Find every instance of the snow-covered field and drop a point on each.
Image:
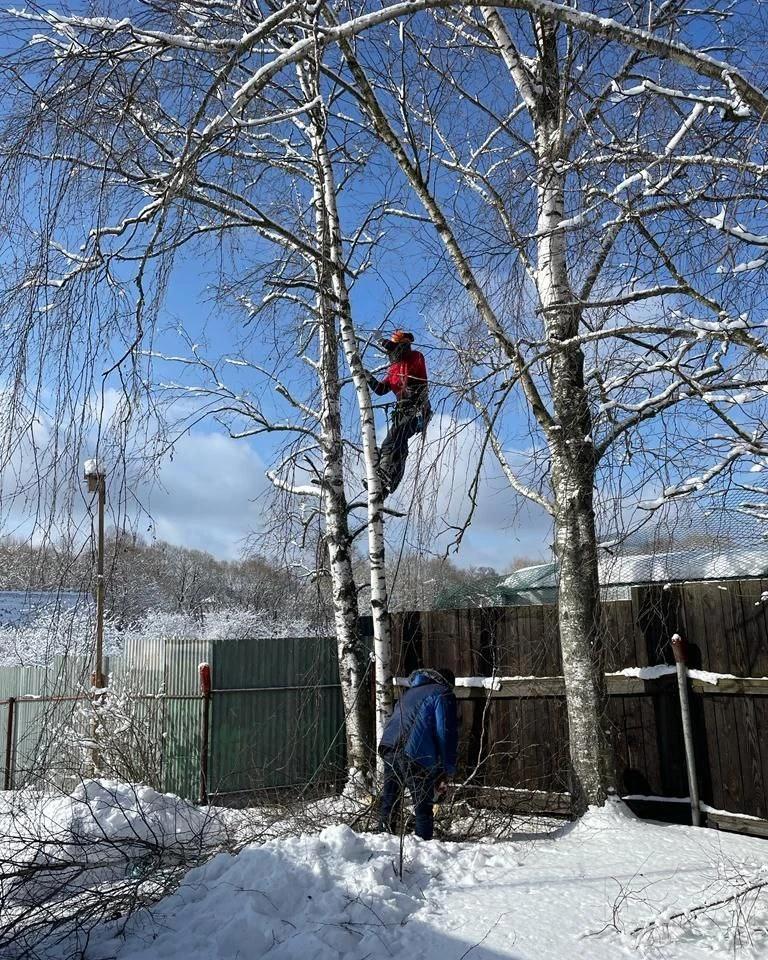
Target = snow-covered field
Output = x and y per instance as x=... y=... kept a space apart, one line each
x=608 y=887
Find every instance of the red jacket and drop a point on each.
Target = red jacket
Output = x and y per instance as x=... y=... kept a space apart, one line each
x=410 y=372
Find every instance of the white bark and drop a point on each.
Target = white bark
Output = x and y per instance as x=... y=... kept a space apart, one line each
x=334 y=264
x=351 y=656
x=572 y=454
x=567 y=426
x=573 y=477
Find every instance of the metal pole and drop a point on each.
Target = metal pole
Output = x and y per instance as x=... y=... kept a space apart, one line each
x=99 y=671
x=9 y=738
x=679 y=650
x=97 y=483
x=205 y=718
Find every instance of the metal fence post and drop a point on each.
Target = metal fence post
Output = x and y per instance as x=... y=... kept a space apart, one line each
x=205 y=717
x=678 y=648
x=9 y=737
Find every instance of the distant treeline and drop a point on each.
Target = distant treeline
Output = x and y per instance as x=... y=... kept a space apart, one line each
x=143 y=576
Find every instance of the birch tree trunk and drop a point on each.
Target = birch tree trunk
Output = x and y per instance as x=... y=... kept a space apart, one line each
x=572 y=455
x=351 y=653
x=382 y=639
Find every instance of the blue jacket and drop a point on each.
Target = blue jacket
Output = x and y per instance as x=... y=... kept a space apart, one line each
x=423 y=723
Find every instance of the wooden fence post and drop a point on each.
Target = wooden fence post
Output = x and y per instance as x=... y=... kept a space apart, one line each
x=9 y=737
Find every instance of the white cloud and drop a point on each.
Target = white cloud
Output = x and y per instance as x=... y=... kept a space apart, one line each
x=207 y=494
x=504 y=526
x=203 y=496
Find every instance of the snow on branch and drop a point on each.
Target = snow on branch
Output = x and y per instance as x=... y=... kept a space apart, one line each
x=733 y=108
x=605 y=27
x=737 y=231
x=693 y=484
x=295 y=489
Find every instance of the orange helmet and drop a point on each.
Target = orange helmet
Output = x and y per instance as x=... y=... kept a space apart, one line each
x=401 y=336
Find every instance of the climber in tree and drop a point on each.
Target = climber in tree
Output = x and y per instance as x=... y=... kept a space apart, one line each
x=407 y=379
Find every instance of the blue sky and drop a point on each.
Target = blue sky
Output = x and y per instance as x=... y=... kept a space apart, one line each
x=212 y=494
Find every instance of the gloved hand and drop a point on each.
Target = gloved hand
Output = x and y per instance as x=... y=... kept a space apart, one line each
x=370 y=379
x=441 y=788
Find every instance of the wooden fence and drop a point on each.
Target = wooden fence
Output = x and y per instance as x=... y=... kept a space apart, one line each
x=277 y=717
x=516 y=737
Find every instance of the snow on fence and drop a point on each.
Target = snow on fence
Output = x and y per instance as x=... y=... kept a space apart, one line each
x=514 y=730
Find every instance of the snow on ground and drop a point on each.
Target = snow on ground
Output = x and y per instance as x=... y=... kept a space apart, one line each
x=606 y=888
x=58 y=852
x=99 y=809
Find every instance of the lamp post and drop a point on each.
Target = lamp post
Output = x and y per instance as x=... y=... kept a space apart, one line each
x=96 y=477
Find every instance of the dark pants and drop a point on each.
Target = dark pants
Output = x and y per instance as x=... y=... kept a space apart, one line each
x=401 y=773
x=406 y=423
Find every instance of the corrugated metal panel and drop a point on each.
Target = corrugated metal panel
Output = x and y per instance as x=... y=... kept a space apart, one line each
x=140 y=665
x=162 y=747
x=181 y=769
x=167 y=669
x=289 y=731
x=281 y=722
x=41 y=750
x=182 y=658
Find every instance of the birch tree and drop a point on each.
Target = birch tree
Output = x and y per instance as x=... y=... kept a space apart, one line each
x=229 y=192
x=332 y=280
x=594 y=185
x=567 y=162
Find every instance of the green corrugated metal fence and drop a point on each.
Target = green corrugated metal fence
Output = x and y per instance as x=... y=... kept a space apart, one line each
x=40 y=714
x=276 y=720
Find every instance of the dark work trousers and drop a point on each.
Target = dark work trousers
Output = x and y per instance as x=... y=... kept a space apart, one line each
x=406 y=423
x=401 y=773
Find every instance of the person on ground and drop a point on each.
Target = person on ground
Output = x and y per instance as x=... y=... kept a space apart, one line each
x=418 y=748
x=407 y=379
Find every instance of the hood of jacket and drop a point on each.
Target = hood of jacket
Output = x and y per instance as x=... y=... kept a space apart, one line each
x=419 y=677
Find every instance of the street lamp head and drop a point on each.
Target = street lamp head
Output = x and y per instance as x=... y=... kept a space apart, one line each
x=94 y=473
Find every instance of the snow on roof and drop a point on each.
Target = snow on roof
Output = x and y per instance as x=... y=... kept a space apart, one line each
x=659 y=567
x=528 y=578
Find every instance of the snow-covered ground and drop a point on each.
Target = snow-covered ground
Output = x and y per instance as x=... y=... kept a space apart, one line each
x=608 y=887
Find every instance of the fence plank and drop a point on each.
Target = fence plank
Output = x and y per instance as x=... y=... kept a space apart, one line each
x=760 y=713
x=728 y=754
x=753 y=793
x=693 y=630
x=714 y=628
x=751 y=654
